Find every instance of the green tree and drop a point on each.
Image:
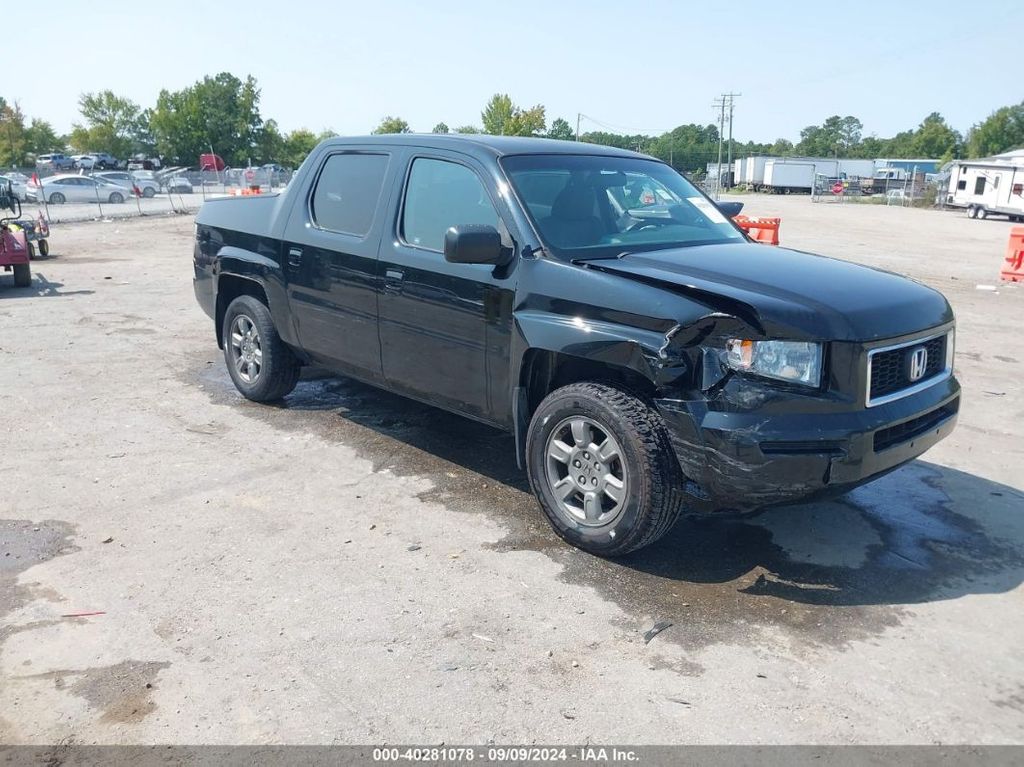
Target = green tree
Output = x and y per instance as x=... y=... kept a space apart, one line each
x=781 y=147
x=297 y=145
x=999 y=132
x=392 y=125
x=467 y=130
x=560 y=129
x=836 y=136
x=501 y=117
x=40 y=138
x=935 y=138
x=221 y=112
x=440 y=128
x=12 y=134
x=270 y=143
x=112 y=124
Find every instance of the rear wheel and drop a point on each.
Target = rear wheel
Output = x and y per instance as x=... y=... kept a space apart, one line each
x=601 y=465
x=22 y=275
x=981 y=213
x=116 y=198
x=57 y=199
x=149 y=192
x=261 y=365
x=44 y=248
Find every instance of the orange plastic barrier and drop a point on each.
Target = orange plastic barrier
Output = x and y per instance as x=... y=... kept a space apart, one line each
x=761 y=229
x=1013 y=268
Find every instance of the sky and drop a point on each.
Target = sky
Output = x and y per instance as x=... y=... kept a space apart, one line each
x=632 y=68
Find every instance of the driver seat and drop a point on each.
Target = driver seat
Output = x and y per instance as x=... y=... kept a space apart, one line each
x=572 y=223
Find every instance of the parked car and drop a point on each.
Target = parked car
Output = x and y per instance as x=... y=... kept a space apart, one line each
x=83 y=161
x=144 y=163
x=106 y=161
x=54 y=161
x=18 y=182
x=647 y=359
x=178 y=185
x=147 y=185
x=57 y=190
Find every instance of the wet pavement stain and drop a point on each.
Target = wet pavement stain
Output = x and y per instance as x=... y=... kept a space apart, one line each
x=24 y=543
x=830 y=573
x=122 y=692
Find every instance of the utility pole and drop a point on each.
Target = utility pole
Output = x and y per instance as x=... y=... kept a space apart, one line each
x=731 y=97
x=578 y=116
x=720 y=104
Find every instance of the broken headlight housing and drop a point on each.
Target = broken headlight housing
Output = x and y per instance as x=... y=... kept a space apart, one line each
x=792 y=361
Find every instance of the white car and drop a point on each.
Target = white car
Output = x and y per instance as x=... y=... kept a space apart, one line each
x=57 y=190
x=19 y=183
x=178 y=185
x=84 y=161
x=147 y=184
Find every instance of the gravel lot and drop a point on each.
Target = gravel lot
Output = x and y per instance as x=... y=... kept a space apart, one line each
x=353 y=567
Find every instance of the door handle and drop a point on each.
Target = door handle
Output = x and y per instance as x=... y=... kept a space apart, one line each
x=295 y=257
x=394 y=274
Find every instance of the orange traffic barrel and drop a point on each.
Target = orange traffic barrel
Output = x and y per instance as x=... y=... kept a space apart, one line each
x=760 y=229
x=1013 y=267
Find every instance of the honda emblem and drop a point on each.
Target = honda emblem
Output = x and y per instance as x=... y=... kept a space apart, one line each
x=918 y=363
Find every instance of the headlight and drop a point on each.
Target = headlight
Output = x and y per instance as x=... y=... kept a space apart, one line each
x=794 y=361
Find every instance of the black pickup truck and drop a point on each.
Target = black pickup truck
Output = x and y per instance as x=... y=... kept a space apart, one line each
x=648 y=357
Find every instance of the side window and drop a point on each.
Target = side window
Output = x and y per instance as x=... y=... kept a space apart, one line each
x=979 y=185
x=347 y=192
x=441 y=194
x=961 y=184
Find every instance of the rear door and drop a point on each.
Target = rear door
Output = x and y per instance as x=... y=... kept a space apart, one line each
x=444 y=328
x=330 y=257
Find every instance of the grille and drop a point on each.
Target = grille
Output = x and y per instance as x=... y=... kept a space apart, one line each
x=889 y=369
x=903 y=432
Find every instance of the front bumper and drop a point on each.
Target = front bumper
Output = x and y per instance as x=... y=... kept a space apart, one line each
x=748 y=460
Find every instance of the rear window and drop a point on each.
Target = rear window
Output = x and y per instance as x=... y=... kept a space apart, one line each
x=347 y=191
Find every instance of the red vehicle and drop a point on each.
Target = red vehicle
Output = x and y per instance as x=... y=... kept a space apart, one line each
x=14 y=255
x=211 y=162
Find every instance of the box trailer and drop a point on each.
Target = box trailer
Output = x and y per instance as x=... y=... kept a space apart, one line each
x=856 y=168
x=738 y=166
x=789 y=177
x=753 y=174
x=993 y=185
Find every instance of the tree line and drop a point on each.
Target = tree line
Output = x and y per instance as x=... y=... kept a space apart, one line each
x=221 y=113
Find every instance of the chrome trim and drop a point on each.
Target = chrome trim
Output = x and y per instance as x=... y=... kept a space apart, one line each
x=939 y=377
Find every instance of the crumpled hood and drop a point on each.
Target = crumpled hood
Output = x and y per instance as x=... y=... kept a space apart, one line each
x=789 y=293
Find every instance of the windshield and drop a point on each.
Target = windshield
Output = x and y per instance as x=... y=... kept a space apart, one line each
x=589 y=206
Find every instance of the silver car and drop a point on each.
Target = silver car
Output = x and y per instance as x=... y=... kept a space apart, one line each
x=147 y=185
x=57 y=190
x=19 y=183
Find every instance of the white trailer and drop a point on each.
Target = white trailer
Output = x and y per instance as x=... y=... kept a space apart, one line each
x=992 y=185
x=789 y=176
x=738 y=166
x=753 y=174
x=856 y=168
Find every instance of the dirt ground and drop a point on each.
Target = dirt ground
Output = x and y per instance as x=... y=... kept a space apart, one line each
x=352 y=567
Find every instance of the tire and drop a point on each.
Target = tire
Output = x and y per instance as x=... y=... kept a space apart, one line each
x=57 y=199
x=149 y=192
x=44 y=248
x=649 y=479
x=22 y=276
x=116 y=198
x=260 y=364
x=31 y=251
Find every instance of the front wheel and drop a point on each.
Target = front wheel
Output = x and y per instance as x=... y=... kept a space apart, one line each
x=56 y=199
x=149 y=192
x=44 y=248
x=601 y=465
x=261 y=365
x=116 y=198
x=22 y=275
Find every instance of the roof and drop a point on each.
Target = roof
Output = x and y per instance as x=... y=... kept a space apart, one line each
x=1012 y=159
x=494 y=146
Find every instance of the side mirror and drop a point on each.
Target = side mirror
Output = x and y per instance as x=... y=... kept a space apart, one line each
x=730 y=209
x=473 y=244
